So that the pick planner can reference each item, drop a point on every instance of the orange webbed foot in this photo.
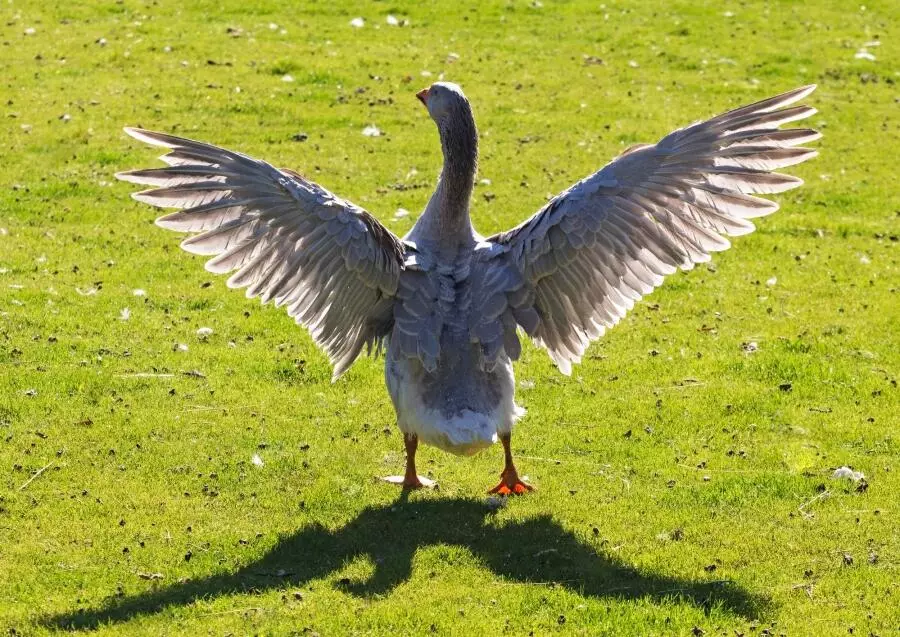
(511, 485)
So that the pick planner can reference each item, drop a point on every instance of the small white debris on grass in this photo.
(862, 54)
(425, 73)
(391, 20)
(526, 384)
(273, 26)
(125, 314)
(728, 14)
(31, 392)
(847, 472)
(750, 347)
(30, 31)
(204, 333)
(401, 212)
(865, 260)
(89, 292)
(180, 347)
(485, 182)
(65, 117)
(771, 282)
(287, 78)
(371, 131)
(139, 292)
(357, 23)
(633, 64)
(452, 57)
(256, 460)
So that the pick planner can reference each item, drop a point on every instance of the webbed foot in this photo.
(511, 484)
(411, 482)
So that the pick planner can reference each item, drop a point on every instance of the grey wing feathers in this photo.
(500, 300)
(598, 247)
(418, 319)
(332, 265)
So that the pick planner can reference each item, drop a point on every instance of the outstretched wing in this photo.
(328, 261)
(596, 248)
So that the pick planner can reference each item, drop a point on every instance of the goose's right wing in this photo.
(331, 263)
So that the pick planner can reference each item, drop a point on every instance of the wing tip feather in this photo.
(146, 197)
(146, 136)
(165, 223)
(789, 97)
(125, 175)
(337, 372)
(190, 246)
(803, 91)
(213, 268)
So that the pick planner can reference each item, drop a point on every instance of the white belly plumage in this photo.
(460, 409)
(464, 434)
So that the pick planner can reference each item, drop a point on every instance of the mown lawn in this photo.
(684, 475)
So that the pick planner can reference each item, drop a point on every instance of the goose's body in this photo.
(456, 402)
(448, 304)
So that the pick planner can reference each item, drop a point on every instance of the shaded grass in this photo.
(535, 551)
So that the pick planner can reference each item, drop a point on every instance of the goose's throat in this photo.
(459, 142)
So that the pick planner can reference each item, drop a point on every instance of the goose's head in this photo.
(450, 110)
(445, 101)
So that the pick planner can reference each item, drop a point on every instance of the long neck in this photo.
(459, 142)
(450, 202)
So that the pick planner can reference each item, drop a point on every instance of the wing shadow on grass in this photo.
(536, 550)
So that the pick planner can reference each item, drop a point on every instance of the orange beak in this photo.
(423, 96)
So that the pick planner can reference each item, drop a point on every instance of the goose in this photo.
(447, 306)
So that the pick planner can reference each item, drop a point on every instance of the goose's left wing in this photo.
(596, 248)
(331, 263)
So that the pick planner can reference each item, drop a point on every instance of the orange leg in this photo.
(510, 484)
(410, 479)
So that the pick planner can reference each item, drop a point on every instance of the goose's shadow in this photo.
(533, 550)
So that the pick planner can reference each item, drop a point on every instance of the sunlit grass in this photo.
(683, 475)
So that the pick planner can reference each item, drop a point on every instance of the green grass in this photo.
(678, 486)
